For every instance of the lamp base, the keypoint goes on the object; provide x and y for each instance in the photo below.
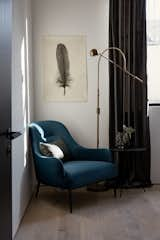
(99, 187)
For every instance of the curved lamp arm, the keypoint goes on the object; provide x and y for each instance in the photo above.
(117, 49)
(94, 52)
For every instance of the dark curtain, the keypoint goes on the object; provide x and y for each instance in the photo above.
(128, 97)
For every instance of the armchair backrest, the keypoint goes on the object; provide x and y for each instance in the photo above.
(42, 131)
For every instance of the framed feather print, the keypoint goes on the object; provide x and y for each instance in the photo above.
(64, 68)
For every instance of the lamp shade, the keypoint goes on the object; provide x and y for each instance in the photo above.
(94, 52)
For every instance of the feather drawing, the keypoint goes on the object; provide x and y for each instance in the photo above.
(63, 64)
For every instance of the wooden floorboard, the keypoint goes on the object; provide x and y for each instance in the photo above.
(96, 216)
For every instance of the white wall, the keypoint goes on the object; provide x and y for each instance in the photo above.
(154, 116)
(21, 102)
(71, 17)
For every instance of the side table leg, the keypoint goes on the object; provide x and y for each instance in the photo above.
(120, 186)
(121, 190)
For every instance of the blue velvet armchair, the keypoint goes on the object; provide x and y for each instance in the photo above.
(85, 167)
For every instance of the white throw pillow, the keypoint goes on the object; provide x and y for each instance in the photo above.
(54, 149)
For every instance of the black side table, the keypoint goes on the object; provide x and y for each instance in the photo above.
(123, 151)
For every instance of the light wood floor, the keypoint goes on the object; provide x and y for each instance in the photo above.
(96, 216)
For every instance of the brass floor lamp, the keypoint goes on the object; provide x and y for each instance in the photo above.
(123, 68)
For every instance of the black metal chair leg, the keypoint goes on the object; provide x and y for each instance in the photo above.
(121, 190)
(115, 192)
(37, 191)
(70, 199)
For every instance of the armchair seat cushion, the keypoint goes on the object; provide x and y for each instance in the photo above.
(80, 173)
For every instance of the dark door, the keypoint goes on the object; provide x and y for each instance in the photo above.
(5, 120)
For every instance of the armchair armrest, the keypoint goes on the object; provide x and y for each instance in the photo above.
(93, 154)
(50, 169)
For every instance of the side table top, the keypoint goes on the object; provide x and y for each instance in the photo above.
(132, 149)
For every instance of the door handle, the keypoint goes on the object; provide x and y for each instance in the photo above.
(10, 135)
